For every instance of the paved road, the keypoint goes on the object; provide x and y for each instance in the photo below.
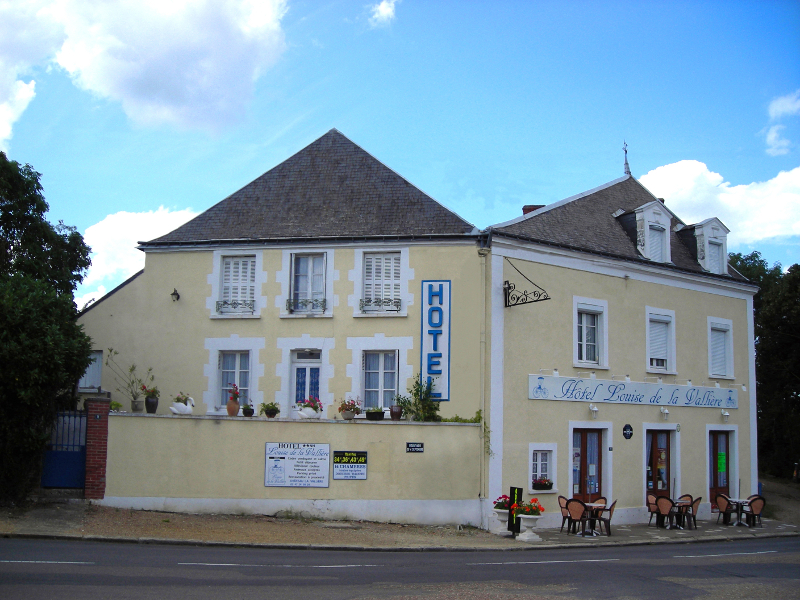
(34, 569)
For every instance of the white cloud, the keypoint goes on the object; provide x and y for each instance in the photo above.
(785, 105)
(777, 145)
(382, 14)
(190, 62)
(753, 212)
(113, 242)
(16, 101)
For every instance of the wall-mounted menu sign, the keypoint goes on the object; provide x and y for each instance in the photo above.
(415, 447)
(296, 465)
(349, 465)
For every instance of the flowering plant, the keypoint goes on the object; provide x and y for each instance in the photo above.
(234, 393)
(350, 405)
(149, 392)
(312, 403)
(542, 483)
(532, 508)
(502, 503)
(182, 398)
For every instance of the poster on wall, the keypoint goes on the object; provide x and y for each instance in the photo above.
(296, 465)
(350, 465)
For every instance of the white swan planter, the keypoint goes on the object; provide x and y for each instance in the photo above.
(179, 408)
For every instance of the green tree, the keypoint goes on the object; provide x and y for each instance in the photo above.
(776, 319)
(43, 350)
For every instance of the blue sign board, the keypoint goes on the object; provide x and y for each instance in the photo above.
(435, 358)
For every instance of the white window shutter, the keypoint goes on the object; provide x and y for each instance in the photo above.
(718, 343)
(226, 279)
(659, 334)
(369, 277)
(715, 257)
(657, 244)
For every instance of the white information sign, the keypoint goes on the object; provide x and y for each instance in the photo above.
(575, 389)
(296, 465)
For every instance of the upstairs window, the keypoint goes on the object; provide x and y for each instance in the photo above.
(92, 377)
(590, 333)
(720, 348)
(587, 337)
(657, 243)
(715, 259)
(380, 379)
(308, 284)
(306, 366)
(381, 283)
(238, 285)
(235, 369)
(660, 340)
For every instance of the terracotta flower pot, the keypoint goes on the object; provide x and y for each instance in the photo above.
(233, 408)
(396, 412)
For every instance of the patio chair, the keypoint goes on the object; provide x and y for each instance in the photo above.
(691, 513)
(683, 508)
(726, 509)
(666, 511)
(604, 515)
(577, 514)
(752, 512)
(652, 508)
(562, 503)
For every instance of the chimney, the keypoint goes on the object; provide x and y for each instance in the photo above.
(531, 207)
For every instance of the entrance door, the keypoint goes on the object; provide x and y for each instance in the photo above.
(658, 467)
(306, 365)
(718, 463)
(587, 467)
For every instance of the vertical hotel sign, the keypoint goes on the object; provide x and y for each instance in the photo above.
(435, 359)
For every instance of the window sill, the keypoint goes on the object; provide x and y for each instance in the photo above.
(722, 377)
(590, 366)
(534, 492)
(306, 316)
(660, 372)
(235, 316)
(372, 315)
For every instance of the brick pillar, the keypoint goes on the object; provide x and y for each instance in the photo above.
(96, 447)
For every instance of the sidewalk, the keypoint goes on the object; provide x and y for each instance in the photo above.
(77, 519)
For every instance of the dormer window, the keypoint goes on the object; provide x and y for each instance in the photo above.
(657, 243)
(653, 223)
(712, 245)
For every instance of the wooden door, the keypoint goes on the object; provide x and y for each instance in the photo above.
(587, 464)
(718, 464)
(658, 470)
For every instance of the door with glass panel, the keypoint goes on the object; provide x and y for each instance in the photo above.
(657, 472)
(587, 465)
(718, 445)
(305, 374)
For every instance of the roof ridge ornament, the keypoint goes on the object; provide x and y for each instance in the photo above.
(625, 149)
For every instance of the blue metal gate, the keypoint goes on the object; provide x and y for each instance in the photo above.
(65, 456)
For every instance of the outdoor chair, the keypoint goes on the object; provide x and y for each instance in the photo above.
(562, 503)
(684, 508)
(691, 513)
(725, 508)
(577, 514)
(752, 512)
(652, 508)
(666, 511)
(604, 515)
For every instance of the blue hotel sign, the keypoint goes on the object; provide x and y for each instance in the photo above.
(435, 357)
(575, 389)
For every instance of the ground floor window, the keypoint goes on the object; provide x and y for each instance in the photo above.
(235, 367)
(306, 365)
(380, 378)
(587, 466)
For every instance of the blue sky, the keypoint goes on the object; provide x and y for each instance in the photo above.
(142, 114)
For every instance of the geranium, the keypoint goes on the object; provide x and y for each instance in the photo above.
(350, 406)
(532, 508)
(312, 403)
(150, 392)
(502, 503)
(182, 398)
(234, 393)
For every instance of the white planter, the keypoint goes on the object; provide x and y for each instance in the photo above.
(502, 516)
(309, 413)
(526, 526)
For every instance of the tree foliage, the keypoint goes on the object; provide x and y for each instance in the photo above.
(43, 350)
(777, 340)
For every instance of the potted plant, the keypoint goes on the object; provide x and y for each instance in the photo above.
(501, 507)
(182, 404)
(528, 513)
(233, 400)
(311, 408)
(128, 381)
(270, 409)
(349, 408)
(542, 483)
(151, 395)
(404, 404)
(423, 406)
(375, 414)
(247, 410)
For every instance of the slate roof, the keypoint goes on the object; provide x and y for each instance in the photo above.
(586, 222)
(331, 188)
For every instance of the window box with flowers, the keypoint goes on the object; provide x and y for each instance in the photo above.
(310, 408)
(542, 483)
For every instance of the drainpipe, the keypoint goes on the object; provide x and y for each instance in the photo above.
(483, 251)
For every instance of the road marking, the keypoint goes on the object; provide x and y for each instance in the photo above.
(278, 566)
(729, 554)
(547, 562)
(47, 562)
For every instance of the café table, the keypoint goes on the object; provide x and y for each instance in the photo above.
(593, 506)
(739, 504)
(680, 511)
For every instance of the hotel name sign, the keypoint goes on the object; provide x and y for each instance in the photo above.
(573, 389)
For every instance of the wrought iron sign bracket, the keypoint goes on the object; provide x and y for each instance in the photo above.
(515, 297)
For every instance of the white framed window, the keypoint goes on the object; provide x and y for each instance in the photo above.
(542, 461)
(380, 378)
(308, 284)
(715, 260)
(657, 243)
(306, 369)
(590, 333)
(660, 340)
(653, 222)
(382, 281)
(234, 369)
(236, 281)
(720, 348)
(711, 237)
(93, 376)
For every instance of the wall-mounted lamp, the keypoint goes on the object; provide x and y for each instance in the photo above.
(175, 295)
(716, 383)
(627, 377)
(555, 372)
(725, 415)
(594, 409)
(665, 412)
(744, 388)
(689, 382)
